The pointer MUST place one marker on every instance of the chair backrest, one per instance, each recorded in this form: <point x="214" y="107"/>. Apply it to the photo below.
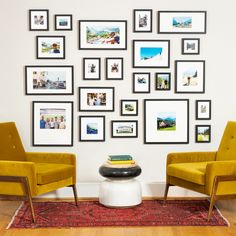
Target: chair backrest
<point x="227" y="148"/>
<point x="11" y="147"/>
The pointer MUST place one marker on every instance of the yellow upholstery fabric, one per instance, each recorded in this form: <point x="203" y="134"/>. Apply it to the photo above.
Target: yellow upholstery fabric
<point x="193" y="172"/>
<point x="48" y="173"/>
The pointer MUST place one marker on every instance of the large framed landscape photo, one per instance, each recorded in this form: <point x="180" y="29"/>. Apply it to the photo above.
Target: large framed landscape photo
<point x="52" y="123"/>
<point x="182" y="22"/>
<point x="151" y="53"/>
<point x="166" y="121"/>
<point x="49" y="80"/>
<point x="103" y="34"/>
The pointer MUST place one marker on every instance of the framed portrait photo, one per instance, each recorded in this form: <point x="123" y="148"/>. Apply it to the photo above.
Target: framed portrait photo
<point x="103" y="34"/>
<point x="191" y="46"/>
<point x="151" y="53"/>
<point x="114" y="68"/>
<point x="91" y="128"/>
<point x="96" y="98"/>
<point x="190" y="76"/>
<point x="163" y="81"/>
<point x="182" y="22"/>
<point x="124" y="128"/>
<point x="91" y="68"/>
<point x="203" y="109"/>
<point x="49" y="80"/>
<point x="63" y="22"/>
<point x="50" y="47"/>
<point x="38" y="20"/>
<point x="52" y="123"/>
<point x="129" y="107"/>
<point x="166" y="121"/>
<point x="141" y="82"/>
<point x="142" y="20"/>
<point x="203" y="133"/>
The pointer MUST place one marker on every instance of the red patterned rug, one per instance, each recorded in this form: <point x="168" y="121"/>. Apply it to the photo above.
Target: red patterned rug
<point x="91" y="213"/>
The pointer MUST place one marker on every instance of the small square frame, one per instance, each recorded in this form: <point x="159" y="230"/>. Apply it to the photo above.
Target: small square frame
<point x="190" y="46"/>
<point x="63" y="22"/>
<point x="37" y="22"/>
<point x="203" y="133"/>
<point x="163" y="81"/>
<point x="89" y="72"/>
<point x="141" y="82"/>
<point x="114" y="68"/>
<point x="142" y="20"/>
<point x="203" y="109"/>
<point x="128" y="107"/>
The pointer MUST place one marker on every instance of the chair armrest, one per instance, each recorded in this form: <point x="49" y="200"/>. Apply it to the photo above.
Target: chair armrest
<point x="20" y="168"/>
<point x="186" y="157"/>
<point x="57" y="158"/>
<point x="218" y="168"/>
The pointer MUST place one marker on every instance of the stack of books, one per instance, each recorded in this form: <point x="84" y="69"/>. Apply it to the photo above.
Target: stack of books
<point x="120" y="160"/>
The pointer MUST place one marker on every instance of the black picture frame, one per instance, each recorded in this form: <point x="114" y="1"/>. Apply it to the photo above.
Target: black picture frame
<point x="89" y="106"/>
<point x="190" y="46"/>
<point x="127" y="130"/>
<point x="183" y="85"/>
<point x="157" y="48"/>
<point x="121" y="45"/>
<point x="139" y="87"/>
<point x="149" y="26"/>
<point x="205" y="108"/>
<point x="181" y="30"/>
<point x="115" y="76"/>
<point x="55" y="55"/>
<point x="97" y="133"/>
<point x="204" y="135"/>
<point x="54" y="87"/>
<point x="129" y="110"/>
<point x="53" y="138"/>
<point x="63" y="27"/>
<point x="33" y="26"/>
<point x="162" y="85"/>
<point x="96" y="76"/>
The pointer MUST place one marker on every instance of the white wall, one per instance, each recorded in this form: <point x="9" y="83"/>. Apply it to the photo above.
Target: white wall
<point x="218" y="48"/>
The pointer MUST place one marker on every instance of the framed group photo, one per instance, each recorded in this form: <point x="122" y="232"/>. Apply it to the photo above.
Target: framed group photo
<point x="203" y="133"/>
<point x="63" y="22"/>
<point x="114" y="68"/>
<point x="166" y="121"/>
<point x="96" y="98"/>
<point x="182" y="22"/>
<point x="203" y="109"/>
<point x="91" y="128"/>
<point x="49" y="80"/>
<point x="52" y="123"/>
<point x="38" y="20"/>
<point x="142" y="20"/>
<point x="129" y="107"/>
<point x="124" y="128"/>
<point x="103" y="34"/>
<point x="91" y="68"/>
<point x="151" y="53"/>
<point x="50" y="47"/>
<point x="141" y="82"/>
<point x="163" y="81"/>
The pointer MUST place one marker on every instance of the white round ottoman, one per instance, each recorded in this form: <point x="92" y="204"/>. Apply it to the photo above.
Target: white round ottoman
<point x="120" y="189"/>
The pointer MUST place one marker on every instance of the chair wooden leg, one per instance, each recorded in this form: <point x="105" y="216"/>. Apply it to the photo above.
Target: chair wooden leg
<point x="75" y="194"/>
<point x="213" y="197"/>
<point x="166" y="191"/>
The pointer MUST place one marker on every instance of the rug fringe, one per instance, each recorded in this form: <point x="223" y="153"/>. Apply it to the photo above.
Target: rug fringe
<point x="13" y="218"/>
<point x="228" y="223"/>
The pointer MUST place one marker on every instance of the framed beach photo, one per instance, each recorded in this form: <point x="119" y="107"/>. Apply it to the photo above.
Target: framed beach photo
<point x="141" y="82"/>
<point x="63" y="22"/>
<point x="49" y="80"/>
<point x="129" y="107"/>
<point x="203" y="133"/>
<point x="50" y="47"/>
<point x="163" y="81"/>
<point x="142" y="20"/>
<point x="114" y="68"/>
<point x="203" y="109"/>
<point x="91" y="68"/>
<point x="124" y="128"/>
<point x="96" y="98"/>
<point x="38" y="20"/>
<point x="52" y="123"/>
<point x="191" y="46"/>
<point x="190" y="76"/>
<point x="182" y="22"/>
<point x="151" y="53"/>
<point x="103" y="34"/>
<point x="91" y="128"/>
<point x="166" y="121"/>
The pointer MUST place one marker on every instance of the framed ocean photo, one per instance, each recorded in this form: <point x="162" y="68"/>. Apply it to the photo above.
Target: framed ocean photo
<point x="151" y="53"/>
<point x="103" y="34"/>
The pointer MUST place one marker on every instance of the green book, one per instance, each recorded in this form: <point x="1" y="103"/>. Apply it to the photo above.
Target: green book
<point x="120" y="158"/>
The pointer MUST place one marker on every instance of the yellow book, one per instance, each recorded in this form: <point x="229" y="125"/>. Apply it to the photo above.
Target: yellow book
<point x="120" y="162"/>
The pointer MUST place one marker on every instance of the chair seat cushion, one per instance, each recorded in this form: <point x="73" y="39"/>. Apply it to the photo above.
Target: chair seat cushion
<point x="50" y="172"/>
<point x="193" y="172"/>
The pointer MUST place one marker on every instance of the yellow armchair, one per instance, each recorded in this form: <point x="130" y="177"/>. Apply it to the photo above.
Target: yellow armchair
<point x="26" y="174"/>
<point x="211" y="173"/>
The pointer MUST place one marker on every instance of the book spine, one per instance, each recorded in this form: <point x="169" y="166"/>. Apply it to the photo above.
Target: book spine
<point x="120" y="158"/>
<point x="120" y="162"/>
